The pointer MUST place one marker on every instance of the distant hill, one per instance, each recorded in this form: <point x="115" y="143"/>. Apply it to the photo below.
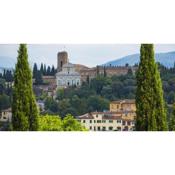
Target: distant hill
<point x="167" y="59"/>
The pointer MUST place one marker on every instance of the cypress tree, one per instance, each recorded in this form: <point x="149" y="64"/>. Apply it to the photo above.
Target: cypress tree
<point x="45" y="70"/>
<point x="35" y="70"/>
<point x="24" y="108"/>
<point x="48" y="71"/>
<point x="151" y="115"/>
<point x="42" y="69"/>
<point x="172" y="120"/>
<point x="53" y="71"/>
<point x="39" y="78"/>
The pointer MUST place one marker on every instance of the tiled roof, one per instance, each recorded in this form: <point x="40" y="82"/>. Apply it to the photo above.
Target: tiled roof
<point x="7" y="110"/>
<point x="126" y="101"/>
<point x="105" y="116"/>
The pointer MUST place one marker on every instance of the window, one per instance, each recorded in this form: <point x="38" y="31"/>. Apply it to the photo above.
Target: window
<point x="119" y="128"/>
<point x="110" y="121"/>
<point x="118" y="121"/>
<point x="98" y="121"/>
<point x="90" y="127"/>
<point x="99" y="129"/>
<point x="90" y="121"/>
<point x="84" y="121"/>
<point x="125" y="128"/>
<point x="94" y="121"/>
<point x="129" y="123"/>
<point x="123" y="122"/>
<point x="110" y="128"/>
<point x="94" y="128"/>
<point x="103" y="121"/>
<point x="104" y="128"/>
<point x="97" y="115"/>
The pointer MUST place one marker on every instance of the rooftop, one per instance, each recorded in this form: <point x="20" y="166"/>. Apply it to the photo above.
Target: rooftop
<point x="126" y="101"/>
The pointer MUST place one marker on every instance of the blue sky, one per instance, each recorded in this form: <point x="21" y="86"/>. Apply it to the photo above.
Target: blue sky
<point x="87" y="54"/>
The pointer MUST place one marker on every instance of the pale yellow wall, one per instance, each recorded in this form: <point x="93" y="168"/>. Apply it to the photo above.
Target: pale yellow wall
<point x="115" y="107"/>
<point x="91" y="123"/>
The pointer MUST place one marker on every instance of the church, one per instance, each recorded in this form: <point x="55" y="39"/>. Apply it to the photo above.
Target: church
<point x="67" y="75"/>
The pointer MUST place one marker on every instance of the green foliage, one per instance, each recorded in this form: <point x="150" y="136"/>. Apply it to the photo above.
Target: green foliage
<point x="24" y="108"/>
<point x="35" y="70"/>
<point x="55" y="123"/>
<point x="38" y="78"/>
<point x="151" y="114"/>
<point x="4" y="101"/>
<point x="172" y="120"/>
<point x="50" y="123"/>
<point x="97" y="103"/>
<point x="71" y="124"/>
<point x="51" y="104"/>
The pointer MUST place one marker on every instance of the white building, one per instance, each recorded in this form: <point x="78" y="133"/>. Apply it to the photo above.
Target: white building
<point x="68" y="76"/>
<point x="106" y="121"/>
<point x="6" y="115"/>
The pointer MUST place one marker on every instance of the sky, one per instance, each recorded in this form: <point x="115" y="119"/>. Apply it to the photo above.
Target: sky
<point x="87" y="54"/>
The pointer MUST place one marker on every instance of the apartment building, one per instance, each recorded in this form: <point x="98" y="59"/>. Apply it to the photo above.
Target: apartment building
<point x="121" y="117"/>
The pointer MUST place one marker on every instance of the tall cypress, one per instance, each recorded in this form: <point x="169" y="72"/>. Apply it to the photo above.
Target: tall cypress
<point x="172" y="120"/>
<point x="35" y="70"/>
<point x="24" y="108"/>
<point x="42" y="68"/>
<point x="45" y="70"/>
<point x="151" y="114"/>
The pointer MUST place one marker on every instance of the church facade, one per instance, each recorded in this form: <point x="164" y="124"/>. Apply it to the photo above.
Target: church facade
<point x="67" y="75"/>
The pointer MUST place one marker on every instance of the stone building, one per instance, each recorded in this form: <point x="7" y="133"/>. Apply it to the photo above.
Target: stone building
<point x="6" y="115"/>
<point x="90" y="73"/>
<point x="120" y="105"/>
<point x="101" y="70"/>
<point x="68" y="76"/>
<point x="121" y="117"/>
<point x="106" y="121"/>
<point x="62" y="58"/>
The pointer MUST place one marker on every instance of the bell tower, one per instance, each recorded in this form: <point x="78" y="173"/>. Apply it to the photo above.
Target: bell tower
<point x="62" y="58"/>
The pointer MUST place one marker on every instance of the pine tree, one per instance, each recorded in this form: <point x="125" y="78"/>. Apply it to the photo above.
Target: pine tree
<point x="42" y="69"/>
<point x="151" y="115"/>
<point x="45" y="70"/>
<point x="39" y="78"/>
<point x="35" y="70"/>
<point x="48" y="71"/>
<point x="53" y="71"/>
<point x="24" y="108"/>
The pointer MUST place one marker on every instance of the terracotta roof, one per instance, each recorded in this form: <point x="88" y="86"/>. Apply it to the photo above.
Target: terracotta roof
<point x="85" y="116"/>
<point x="7" y="110"/>
<point x="48" y="77"/>
<point x="113" y="117"/>
<point x="126" y="101"/>
<point x="113" y="113"/>
<point x="105" y="116"/>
